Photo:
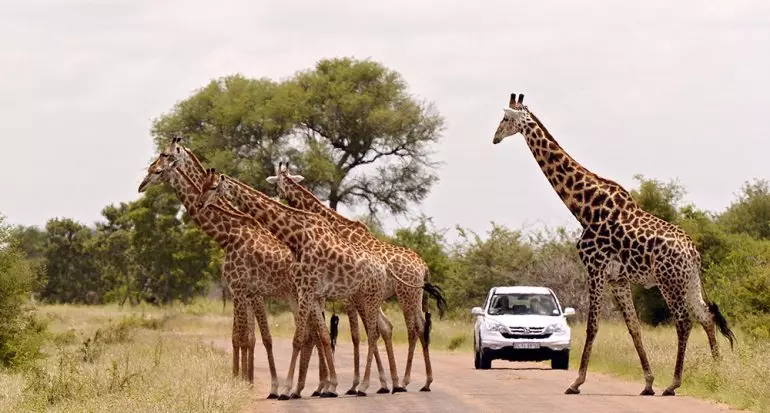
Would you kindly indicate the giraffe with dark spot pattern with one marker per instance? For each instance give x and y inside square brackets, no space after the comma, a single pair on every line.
[621,244]
[328,267]
[399,260]
[256,265]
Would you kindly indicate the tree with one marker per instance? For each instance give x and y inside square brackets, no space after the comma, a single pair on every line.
[429,244]
[237,125]
[358,116]
[750,213]
[21,334]
[350,126]
[71,263]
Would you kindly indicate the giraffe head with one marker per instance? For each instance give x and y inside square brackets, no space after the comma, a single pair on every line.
[171,155]
[158,171]
[214,187]
[280,179]
[514,119]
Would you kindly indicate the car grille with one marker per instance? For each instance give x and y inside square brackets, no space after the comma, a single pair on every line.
[526,332]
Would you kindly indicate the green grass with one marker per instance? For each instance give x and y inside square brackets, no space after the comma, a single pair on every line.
[140,360]
[147,359]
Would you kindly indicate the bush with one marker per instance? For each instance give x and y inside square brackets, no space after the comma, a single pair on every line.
[21,333]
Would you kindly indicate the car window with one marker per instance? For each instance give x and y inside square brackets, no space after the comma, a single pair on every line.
[523,304]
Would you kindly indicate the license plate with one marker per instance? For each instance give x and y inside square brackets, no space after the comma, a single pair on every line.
[526,345]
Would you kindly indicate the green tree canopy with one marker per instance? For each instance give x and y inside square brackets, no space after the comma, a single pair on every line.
[350,126]
[750,213]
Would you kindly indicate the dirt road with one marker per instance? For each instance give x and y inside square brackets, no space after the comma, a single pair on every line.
[457,387]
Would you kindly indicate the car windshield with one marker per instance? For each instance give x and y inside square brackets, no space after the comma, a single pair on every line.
[523,304]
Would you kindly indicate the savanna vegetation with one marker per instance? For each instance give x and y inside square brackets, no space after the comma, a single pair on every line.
[76,299]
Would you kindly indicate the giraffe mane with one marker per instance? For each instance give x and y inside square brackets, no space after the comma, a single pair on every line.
[593,175]
[306,192]
[256,192]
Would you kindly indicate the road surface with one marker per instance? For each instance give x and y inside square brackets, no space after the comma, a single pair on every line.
[458,387]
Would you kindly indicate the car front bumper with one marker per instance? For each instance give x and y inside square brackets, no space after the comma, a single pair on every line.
[498,346]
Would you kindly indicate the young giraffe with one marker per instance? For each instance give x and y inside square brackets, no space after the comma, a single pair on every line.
[265,263]
[328,267]
[399,260]
[621,244]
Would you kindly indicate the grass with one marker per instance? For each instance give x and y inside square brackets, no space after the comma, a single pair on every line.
[159,360]
[141,360]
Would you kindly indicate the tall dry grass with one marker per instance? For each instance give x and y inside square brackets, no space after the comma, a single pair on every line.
[142,360]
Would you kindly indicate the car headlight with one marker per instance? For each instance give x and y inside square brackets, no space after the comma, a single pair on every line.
[493,325]
[555,329]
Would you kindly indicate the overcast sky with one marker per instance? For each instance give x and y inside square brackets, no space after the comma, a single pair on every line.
[666,89]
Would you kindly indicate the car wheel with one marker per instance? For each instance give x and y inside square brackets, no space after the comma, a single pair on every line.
[560,360]
[476,355]
[485,361]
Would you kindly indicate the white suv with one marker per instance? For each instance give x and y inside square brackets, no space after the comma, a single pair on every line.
[521,324]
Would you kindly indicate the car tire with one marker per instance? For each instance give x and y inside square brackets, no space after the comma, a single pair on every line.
[560,360]
[476,355]
[485,362]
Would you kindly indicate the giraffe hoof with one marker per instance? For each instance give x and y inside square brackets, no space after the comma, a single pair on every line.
[399,390]
[351,392]
[570,390]
[272,396]
[327,395]
[425,389]
[668,392]
[360,394]
[316,394]
[385,390]
[283,397]
[647,392]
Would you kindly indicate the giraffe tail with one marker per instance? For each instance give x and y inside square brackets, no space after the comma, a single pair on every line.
[435,292]
[334,330]
[721,322]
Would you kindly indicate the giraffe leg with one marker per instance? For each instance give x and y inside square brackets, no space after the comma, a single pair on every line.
[323,372]
[300,335]
[386,331]
[425,354]
[370,314]
[596,283]
[240,336]
[412,330]
[260,312]
[331,388]
[625,300]
[355,336]
[678,306]
[304,362]
[702,313]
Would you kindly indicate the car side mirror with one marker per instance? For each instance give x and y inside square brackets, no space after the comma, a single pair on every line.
[569,311]
[477,311]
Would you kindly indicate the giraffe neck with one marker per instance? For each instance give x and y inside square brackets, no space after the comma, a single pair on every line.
[590,198]
[192,167]
[289,225]
[301,198]
[216,221]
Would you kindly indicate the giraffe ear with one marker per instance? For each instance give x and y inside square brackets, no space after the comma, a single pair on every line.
[510,113]
[272,180]
[297,178]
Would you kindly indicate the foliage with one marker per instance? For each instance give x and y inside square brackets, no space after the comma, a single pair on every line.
[750,213]
[350,126]
[21,333]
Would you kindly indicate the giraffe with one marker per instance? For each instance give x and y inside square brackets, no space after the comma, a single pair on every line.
[399,260]
[621,244]
[384,324]
[328,267]
[253,271]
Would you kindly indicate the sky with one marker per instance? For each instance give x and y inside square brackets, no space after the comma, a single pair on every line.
[671,90]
